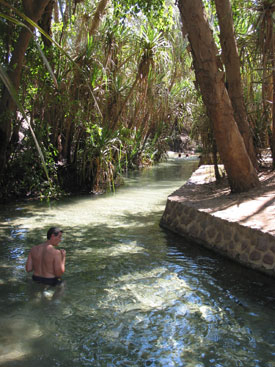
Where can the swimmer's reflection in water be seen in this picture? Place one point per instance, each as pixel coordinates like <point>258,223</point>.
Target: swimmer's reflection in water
<point>45,261</point>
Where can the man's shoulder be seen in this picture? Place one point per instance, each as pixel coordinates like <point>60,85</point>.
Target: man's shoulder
<point>51,249</point>
<point>55,251</point>
<point>44,247</point>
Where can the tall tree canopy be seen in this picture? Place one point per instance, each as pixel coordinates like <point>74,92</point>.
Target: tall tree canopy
<point>110,82</point>
<point>241,174</point>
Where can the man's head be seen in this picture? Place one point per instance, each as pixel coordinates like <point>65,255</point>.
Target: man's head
<point>54,231</point>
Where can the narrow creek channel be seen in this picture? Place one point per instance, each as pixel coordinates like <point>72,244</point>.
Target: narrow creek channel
<point>133,293</point>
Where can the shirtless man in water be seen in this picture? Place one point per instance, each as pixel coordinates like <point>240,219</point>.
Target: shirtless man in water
<point>46,262</point>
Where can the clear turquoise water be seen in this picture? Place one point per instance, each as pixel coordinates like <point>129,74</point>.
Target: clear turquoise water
<point>133,294</point>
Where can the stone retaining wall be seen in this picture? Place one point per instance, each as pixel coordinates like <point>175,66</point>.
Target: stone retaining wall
<point>248,246</point>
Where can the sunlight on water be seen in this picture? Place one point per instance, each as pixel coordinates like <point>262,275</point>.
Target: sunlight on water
<point>115,250</point>
<point>133,294</point>
<point>18,330</point>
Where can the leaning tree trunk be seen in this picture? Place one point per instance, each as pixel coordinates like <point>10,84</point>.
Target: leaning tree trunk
<point>233,75</point>
<point>273,105</point>
<point>98,16</point>
<point>241,173</point>
<point>34,10</point>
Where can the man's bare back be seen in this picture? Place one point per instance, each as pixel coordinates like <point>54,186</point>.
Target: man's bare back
<point>47,263</point>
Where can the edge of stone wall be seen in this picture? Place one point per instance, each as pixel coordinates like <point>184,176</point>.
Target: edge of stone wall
<point>248,246</point>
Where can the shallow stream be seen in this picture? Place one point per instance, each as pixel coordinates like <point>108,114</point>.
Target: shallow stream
<point>133,293</point>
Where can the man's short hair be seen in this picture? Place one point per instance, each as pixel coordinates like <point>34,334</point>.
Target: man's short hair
<point>53,230</point>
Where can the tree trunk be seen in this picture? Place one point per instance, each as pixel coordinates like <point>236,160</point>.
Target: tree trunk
<point>46,21</point>
<point>233,75</point>
<point>97,16</point>
<point>34,10</point>
<point>240,171</point>
<point>273,105</point>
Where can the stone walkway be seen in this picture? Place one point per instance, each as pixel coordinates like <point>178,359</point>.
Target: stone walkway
<point>239,226</point>
<point>255,209</point>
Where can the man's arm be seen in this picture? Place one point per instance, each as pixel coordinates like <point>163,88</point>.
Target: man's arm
<point>59,262</point>
<point>29,263</point>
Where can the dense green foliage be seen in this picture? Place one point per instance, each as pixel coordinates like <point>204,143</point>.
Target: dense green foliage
<point>110,99</point>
